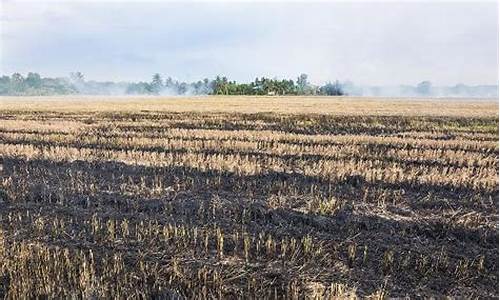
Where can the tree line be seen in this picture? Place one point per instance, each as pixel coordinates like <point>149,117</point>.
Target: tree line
<point>267,86</point>
<point>34,85</point>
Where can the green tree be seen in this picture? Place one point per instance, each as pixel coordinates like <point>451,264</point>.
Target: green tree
<point>33,80</point>
<point>5,85</point>
<point>77,77</point>
<point>332,89</point>
<point>424,88</point>
<point>302,84</point>
<point>17,83</point>
<point>156,84</point>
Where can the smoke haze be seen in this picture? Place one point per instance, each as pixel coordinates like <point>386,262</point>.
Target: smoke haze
<point>387,45</point>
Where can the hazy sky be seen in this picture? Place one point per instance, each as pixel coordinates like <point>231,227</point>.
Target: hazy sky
<point>378,43</point>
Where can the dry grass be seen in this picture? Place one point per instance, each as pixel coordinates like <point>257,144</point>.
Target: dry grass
<point>259,104</point>
<point>245,197</point>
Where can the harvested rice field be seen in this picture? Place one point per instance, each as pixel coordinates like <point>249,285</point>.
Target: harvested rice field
<point>248,197</point>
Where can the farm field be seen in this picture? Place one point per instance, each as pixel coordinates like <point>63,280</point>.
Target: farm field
<point>248,197</point>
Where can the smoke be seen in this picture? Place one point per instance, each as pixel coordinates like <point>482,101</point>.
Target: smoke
<point>171,88</point>
<point>101,88</point>
<point>35,85</point>
<point>371,43</point>
<point>157,86</point>
<point>420,90</point>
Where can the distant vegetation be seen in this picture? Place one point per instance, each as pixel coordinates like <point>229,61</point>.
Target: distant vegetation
<point>34,85</point>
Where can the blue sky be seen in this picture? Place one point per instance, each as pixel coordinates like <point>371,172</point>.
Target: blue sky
<point>377,43</point>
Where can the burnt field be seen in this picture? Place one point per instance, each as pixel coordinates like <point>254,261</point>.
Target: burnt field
<point>364,199</point>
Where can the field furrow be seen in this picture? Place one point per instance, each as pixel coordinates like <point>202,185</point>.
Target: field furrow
<point>171,200</point>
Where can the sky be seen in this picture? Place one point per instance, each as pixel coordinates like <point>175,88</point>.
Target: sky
<point>375,43</point>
